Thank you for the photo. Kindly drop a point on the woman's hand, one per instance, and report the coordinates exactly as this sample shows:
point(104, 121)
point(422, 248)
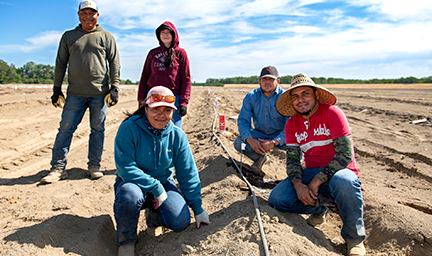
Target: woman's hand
point(202, 219)
point(158, 201)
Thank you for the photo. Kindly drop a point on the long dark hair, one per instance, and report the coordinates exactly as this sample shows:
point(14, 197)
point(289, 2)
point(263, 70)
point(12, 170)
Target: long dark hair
point(171, 55)
point(140, 111)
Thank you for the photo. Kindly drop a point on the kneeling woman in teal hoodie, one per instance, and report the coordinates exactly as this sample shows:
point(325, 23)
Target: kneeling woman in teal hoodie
point(147, 148)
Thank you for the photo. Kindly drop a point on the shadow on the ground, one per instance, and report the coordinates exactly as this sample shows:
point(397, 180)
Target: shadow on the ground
point(73, 174)
point(83, 236)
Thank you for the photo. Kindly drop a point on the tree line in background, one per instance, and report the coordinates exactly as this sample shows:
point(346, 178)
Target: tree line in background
point(31, 73)
point(319, 80)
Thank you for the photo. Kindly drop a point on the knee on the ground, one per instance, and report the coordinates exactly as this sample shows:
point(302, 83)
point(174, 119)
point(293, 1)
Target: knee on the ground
point(179, 222)
point(278, 201)
point(237, 143)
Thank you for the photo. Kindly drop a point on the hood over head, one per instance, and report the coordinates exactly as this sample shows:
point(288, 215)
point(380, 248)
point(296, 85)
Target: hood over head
point(171, 27)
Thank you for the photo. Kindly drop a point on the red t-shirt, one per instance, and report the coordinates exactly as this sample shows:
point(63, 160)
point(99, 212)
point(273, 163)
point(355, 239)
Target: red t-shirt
point(315, 136)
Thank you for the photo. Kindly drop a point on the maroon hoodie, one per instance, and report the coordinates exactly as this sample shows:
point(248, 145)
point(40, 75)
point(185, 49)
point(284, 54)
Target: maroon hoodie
point(177, 78)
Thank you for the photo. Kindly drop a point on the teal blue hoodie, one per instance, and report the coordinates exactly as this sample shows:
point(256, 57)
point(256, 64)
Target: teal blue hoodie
point(149, 160)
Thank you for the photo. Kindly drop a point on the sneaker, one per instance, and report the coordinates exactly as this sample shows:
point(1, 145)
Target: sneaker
point(356, 249)
point(316, 219)
point(126, 250)
point(54, 175)
point(258, 164)
point(95, 173)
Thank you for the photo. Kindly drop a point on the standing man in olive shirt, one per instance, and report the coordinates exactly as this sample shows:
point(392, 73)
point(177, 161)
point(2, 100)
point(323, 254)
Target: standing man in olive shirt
point(91, 57)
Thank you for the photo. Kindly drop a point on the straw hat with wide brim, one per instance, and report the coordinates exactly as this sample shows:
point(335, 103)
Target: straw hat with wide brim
point(284, 104)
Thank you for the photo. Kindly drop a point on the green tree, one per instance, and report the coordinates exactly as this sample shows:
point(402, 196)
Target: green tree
point(32, 73)
point(127, 82)
point(8, 73)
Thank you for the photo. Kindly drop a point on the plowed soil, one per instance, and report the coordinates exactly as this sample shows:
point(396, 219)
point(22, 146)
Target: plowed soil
point(75, 216)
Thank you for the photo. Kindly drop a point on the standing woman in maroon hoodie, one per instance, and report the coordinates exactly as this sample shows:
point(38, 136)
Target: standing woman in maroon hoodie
point(167, 65)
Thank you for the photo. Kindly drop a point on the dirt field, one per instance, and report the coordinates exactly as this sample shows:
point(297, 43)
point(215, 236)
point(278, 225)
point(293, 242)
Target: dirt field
point(75, 216)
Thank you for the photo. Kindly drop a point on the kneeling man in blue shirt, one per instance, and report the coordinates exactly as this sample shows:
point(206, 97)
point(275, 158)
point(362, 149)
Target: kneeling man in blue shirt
point(260, 126)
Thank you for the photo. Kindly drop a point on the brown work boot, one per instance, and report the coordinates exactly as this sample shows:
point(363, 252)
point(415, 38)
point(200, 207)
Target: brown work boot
point(54, 175)
point(258, 164)
point(356, 249)
point(94, 172)
point(316, 219)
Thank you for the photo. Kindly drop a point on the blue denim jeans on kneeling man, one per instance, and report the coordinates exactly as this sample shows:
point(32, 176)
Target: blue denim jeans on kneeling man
point(344, 189)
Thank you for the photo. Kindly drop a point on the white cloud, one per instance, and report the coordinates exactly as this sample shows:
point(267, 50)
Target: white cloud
point(223, 40)
point(39, 42)
point(398, 9)
point(149, 14)
point(44, 39)
point(366, 51)
point(238, 37)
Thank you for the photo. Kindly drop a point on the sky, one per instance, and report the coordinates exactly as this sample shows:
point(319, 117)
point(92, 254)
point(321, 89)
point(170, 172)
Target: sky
point(351, 39)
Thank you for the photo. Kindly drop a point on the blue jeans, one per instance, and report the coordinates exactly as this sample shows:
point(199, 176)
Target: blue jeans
point(130, 200)
point(344, 188)
point(249, 151)
point(178, 121)
point(73, 112)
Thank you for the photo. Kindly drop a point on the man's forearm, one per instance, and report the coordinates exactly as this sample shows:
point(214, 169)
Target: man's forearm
point(294, 169)
point(344, 156)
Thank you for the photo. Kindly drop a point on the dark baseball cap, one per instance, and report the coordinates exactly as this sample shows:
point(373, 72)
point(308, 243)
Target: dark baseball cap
point(269, 71)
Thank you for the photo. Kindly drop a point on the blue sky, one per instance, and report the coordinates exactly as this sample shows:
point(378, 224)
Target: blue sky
point(360, 39)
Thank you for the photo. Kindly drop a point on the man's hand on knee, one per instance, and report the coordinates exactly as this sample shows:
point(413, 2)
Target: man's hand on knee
point(256, 145)
point(304, 193)
point(267, 145)
point(314, 185)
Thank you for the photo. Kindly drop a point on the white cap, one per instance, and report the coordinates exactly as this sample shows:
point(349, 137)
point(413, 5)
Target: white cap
point(87, 4)
point(162, 91)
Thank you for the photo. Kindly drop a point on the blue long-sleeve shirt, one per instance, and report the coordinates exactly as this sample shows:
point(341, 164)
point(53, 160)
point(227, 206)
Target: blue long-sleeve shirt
point(260, 111)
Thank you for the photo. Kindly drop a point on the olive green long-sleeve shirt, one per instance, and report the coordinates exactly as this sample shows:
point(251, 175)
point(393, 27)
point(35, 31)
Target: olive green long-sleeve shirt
point(92, 61)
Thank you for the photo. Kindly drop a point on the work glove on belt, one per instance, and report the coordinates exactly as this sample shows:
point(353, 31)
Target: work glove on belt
point(112, 97)
point(58, 97)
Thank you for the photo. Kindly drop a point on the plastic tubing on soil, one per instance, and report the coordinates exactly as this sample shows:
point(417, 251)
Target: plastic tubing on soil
point(257, 212)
